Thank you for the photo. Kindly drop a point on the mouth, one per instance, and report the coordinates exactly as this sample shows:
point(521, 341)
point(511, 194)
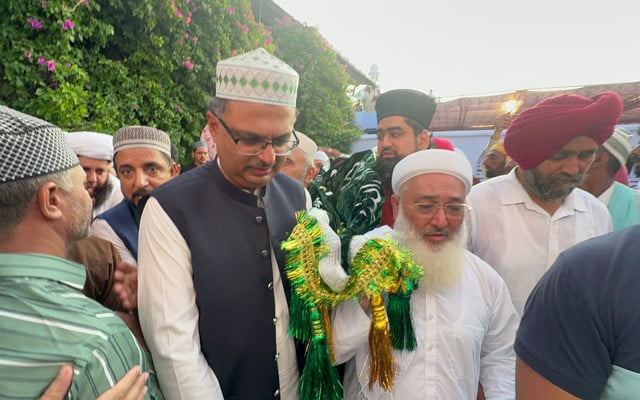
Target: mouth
point(261, 171)
point(388, 154)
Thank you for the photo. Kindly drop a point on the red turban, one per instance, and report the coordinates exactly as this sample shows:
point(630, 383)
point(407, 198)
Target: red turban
point(542, 130)
point(443, 143)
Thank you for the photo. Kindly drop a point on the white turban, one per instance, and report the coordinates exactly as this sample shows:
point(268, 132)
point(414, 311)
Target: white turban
point(432, 161)
point(307, 145)
point(94, 145)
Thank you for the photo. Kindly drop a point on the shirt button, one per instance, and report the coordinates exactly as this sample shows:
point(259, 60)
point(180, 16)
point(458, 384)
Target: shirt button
point(264, 253)
point(275, 321)
point(270, 286)
point(275, 358)
point(259, 219)
point(276, 394)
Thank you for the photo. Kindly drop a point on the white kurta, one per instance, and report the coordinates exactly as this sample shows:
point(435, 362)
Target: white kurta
point(465, 335)
point(520, 239)
point(169, 315)
point(101, 228)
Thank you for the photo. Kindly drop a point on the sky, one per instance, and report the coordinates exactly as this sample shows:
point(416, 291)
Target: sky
point(475, 47)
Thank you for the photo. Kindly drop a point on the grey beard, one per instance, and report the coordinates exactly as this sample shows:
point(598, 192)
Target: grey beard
point(550, 188)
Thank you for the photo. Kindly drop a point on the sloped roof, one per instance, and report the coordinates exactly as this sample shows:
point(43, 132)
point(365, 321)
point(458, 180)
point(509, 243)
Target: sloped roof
point(470, 113)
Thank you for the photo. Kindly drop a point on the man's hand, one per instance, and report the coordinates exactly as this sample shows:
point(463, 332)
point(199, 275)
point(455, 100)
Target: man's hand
point(132, 386)
point(126, 285)
point(59, 386)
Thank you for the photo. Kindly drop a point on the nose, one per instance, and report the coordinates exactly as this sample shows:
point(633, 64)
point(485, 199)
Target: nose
point(574, 165)
point(439, 219)
point(384, 141)
point(268, 155)
point(141, 181)
point(91, 176)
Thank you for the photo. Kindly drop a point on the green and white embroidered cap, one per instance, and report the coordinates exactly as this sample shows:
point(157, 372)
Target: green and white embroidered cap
point(258, 77)
point(31, 147)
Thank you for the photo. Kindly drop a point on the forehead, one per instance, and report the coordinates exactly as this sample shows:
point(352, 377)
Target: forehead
point(200, 149)
point(138, 156)
point(393, 122)
point(261, 119)
point(87, 162)
point(434, 185)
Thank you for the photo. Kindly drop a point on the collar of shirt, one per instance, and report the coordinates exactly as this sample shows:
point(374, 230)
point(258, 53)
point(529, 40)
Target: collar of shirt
point(43, 266)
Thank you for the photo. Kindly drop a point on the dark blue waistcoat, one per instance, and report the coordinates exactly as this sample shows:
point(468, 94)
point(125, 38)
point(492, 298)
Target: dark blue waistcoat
point(125, 222)
point(230, 239)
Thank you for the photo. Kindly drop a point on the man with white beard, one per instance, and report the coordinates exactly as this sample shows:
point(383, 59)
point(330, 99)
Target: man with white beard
point(462, 314)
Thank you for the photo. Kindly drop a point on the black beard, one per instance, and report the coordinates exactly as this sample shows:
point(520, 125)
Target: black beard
point(101, 192)
point(384, 168)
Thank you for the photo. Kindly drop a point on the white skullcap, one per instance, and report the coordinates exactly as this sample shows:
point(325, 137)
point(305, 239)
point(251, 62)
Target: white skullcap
point(132, 137)
point(258, 77)
point(429, 162)
point(91, 144)
point(307, 145)
point(619, 145)
point(31, 147)
point(322, 156)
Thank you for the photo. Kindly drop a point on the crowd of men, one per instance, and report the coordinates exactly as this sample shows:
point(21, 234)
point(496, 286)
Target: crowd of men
point(123, 278)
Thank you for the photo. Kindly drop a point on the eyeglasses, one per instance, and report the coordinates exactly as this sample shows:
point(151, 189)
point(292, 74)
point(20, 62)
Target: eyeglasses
point(451, 210)
point(253, 146)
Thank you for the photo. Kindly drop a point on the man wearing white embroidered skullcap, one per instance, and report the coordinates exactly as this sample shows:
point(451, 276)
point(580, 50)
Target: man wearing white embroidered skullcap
point(221, 226)
point(461, 311)
point(142, 160)
point(44, 210)
point(299, 164)
point(321, 161)
point(95, 151)
point(621, 201)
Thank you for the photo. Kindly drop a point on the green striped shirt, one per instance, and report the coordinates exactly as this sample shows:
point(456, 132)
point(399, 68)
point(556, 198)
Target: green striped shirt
point(46, 321)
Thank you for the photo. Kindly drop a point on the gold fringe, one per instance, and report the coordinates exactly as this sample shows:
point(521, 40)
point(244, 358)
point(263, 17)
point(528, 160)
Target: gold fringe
point(382, 368)
point(328, 332)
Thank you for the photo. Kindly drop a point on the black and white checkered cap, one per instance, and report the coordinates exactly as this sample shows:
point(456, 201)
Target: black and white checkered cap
point(31, 147)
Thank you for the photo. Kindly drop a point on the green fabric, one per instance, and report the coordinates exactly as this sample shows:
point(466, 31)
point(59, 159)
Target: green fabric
point(352, 195)
point(46, 321)
point(622, 384)
point(623, 207)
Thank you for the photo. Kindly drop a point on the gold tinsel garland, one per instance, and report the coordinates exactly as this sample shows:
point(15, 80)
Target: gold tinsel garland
point(380, 266)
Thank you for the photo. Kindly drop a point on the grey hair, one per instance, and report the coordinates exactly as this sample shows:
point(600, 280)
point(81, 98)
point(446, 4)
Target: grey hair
point(218, 106)
point(16, 195)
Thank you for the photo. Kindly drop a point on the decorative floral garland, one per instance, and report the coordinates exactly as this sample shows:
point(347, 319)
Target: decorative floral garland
point(380, 266)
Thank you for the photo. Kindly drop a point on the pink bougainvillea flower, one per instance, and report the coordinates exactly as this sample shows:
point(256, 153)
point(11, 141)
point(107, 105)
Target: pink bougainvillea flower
point(244, 29)
point(51, 65)
point(186, 35)
point(35, 24)
point(42, 60)
point(27, 53)
point(188, 65)
point(68, 24)
point(195, 39)
point(231, 10)
point(234, 52)
point(178, 108)
point(85, 2)
point(68, 65)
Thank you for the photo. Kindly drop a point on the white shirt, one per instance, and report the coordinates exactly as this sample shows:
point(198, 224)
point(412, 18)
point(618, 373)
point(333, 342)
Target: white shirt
point(464, 334)
point(169, 315)
point(520, 239)
point(113, 198)
point(101, 228)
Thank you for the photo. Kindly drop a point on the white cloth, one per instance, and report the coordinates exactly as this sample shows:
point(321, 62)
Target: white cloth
point(169, 315)
point(91, 144)
point(101, 228)
point(520, 239)
point(464, 333)
point(113, 198)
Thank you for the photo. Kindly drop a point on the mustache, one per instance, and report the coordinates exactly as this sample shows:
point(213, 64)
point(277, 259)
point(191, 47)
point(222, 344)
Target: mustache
point(574, 179)
point(142, 192)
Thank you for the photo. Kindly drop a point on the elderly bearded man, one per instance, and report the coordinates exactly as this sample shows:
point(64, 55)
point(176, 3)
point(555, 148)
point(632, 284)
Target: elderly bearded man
point(520, 222)
point(463, 317)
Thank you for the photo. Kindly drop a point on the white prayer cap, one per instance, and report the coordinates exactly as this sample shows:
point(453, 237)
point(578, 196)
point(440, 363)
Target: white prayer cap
point(132, 137)
point(307, 145)
point(619, 145)
point(432, 161)
point(91, 144)
point(322, 156)
point(31, 147)
point(258, 77)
